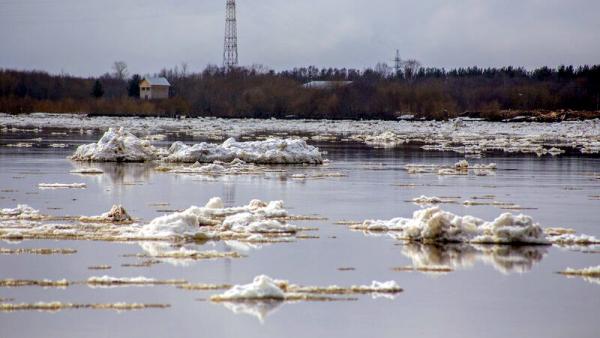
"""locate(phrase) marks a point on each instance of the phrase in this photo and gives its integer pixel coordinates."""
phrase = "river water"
(492, 291)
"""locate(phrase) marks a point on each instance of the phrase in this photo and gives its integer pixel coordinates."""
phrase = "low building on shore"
(326, 84)
(152, 88)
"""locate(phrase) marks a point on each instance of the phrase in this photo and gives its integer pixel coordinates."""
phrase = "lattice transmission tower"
(397, 63)
(230, 52)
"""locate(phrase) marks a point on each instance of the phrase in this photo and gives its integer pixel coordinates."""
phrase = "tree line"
(377, 93)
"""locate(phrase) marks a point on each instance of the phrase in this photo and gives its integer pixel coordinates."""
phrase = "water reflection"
(506, 259)
(259, 309)
(118, 173)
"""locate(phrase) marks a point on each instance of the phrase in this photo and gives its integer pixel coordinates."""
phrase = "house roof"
(157, 81)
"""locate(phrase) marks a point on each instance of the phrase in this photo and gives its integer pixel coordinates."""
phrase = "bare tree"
(383, 69)
(184, 68)
(120, 70)
(411, 67)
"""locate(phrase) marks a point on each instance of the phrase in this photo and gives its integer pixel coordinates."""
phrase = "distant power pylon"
(397, 62)
(230, 53)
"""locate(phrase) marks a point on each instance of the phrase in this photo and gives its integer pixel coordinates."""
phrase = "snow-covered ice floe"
(214, 221)
(270, 151)
(266, 288)
(22, 211)
(434, 225)
(118, 145)
(257, 222)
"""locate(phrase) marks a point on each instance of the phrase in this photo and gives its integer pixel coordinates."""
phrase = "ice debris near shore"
(118, 145)
(264, 288)
(458, 135)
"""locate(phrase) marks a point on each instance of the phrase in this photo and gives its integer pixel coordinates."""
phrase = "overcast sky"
(85, 37)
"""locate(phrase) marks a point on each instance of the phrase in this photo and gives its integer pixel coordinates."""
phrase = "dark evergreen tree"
(97, 90)
(133, 88)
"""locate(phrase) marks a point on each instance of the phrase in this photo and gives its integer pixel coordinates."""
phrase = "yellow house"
(154, 88)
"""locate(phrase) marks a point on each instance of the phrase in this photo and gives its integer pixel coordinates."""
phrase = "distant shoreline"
(509, 116)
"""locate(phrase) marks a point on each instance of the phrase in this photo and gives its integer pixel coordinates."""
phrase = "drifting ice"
(435, 225)
(202, 222)
(270, 151)
(118, 145)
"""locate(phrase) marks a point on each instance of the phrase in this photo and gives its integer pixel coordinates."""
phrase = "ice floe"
(87, 171)
(215, 221)
(270, 151)
(58, 306)
(433, 225)
(109, 281)
(117, 145)
(22, 211)
(266, 288)
(462, 167)
(262, 288)
(432, 200)
(217, 168)
(117, 214)
(257, 222)
(62, 185)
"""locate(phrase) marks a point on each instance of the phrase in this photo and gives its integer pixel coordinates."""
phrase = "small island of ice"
(117, 145)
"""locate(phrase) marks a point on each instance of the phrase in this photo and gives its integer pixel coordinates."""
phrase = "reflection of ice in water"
(118, 173)
(258, 309)
(504, 258)
(243, 246)
(154, 249)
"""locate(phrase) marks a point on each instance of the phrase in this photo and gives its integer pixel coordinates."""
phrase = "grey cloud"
(84, 37)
